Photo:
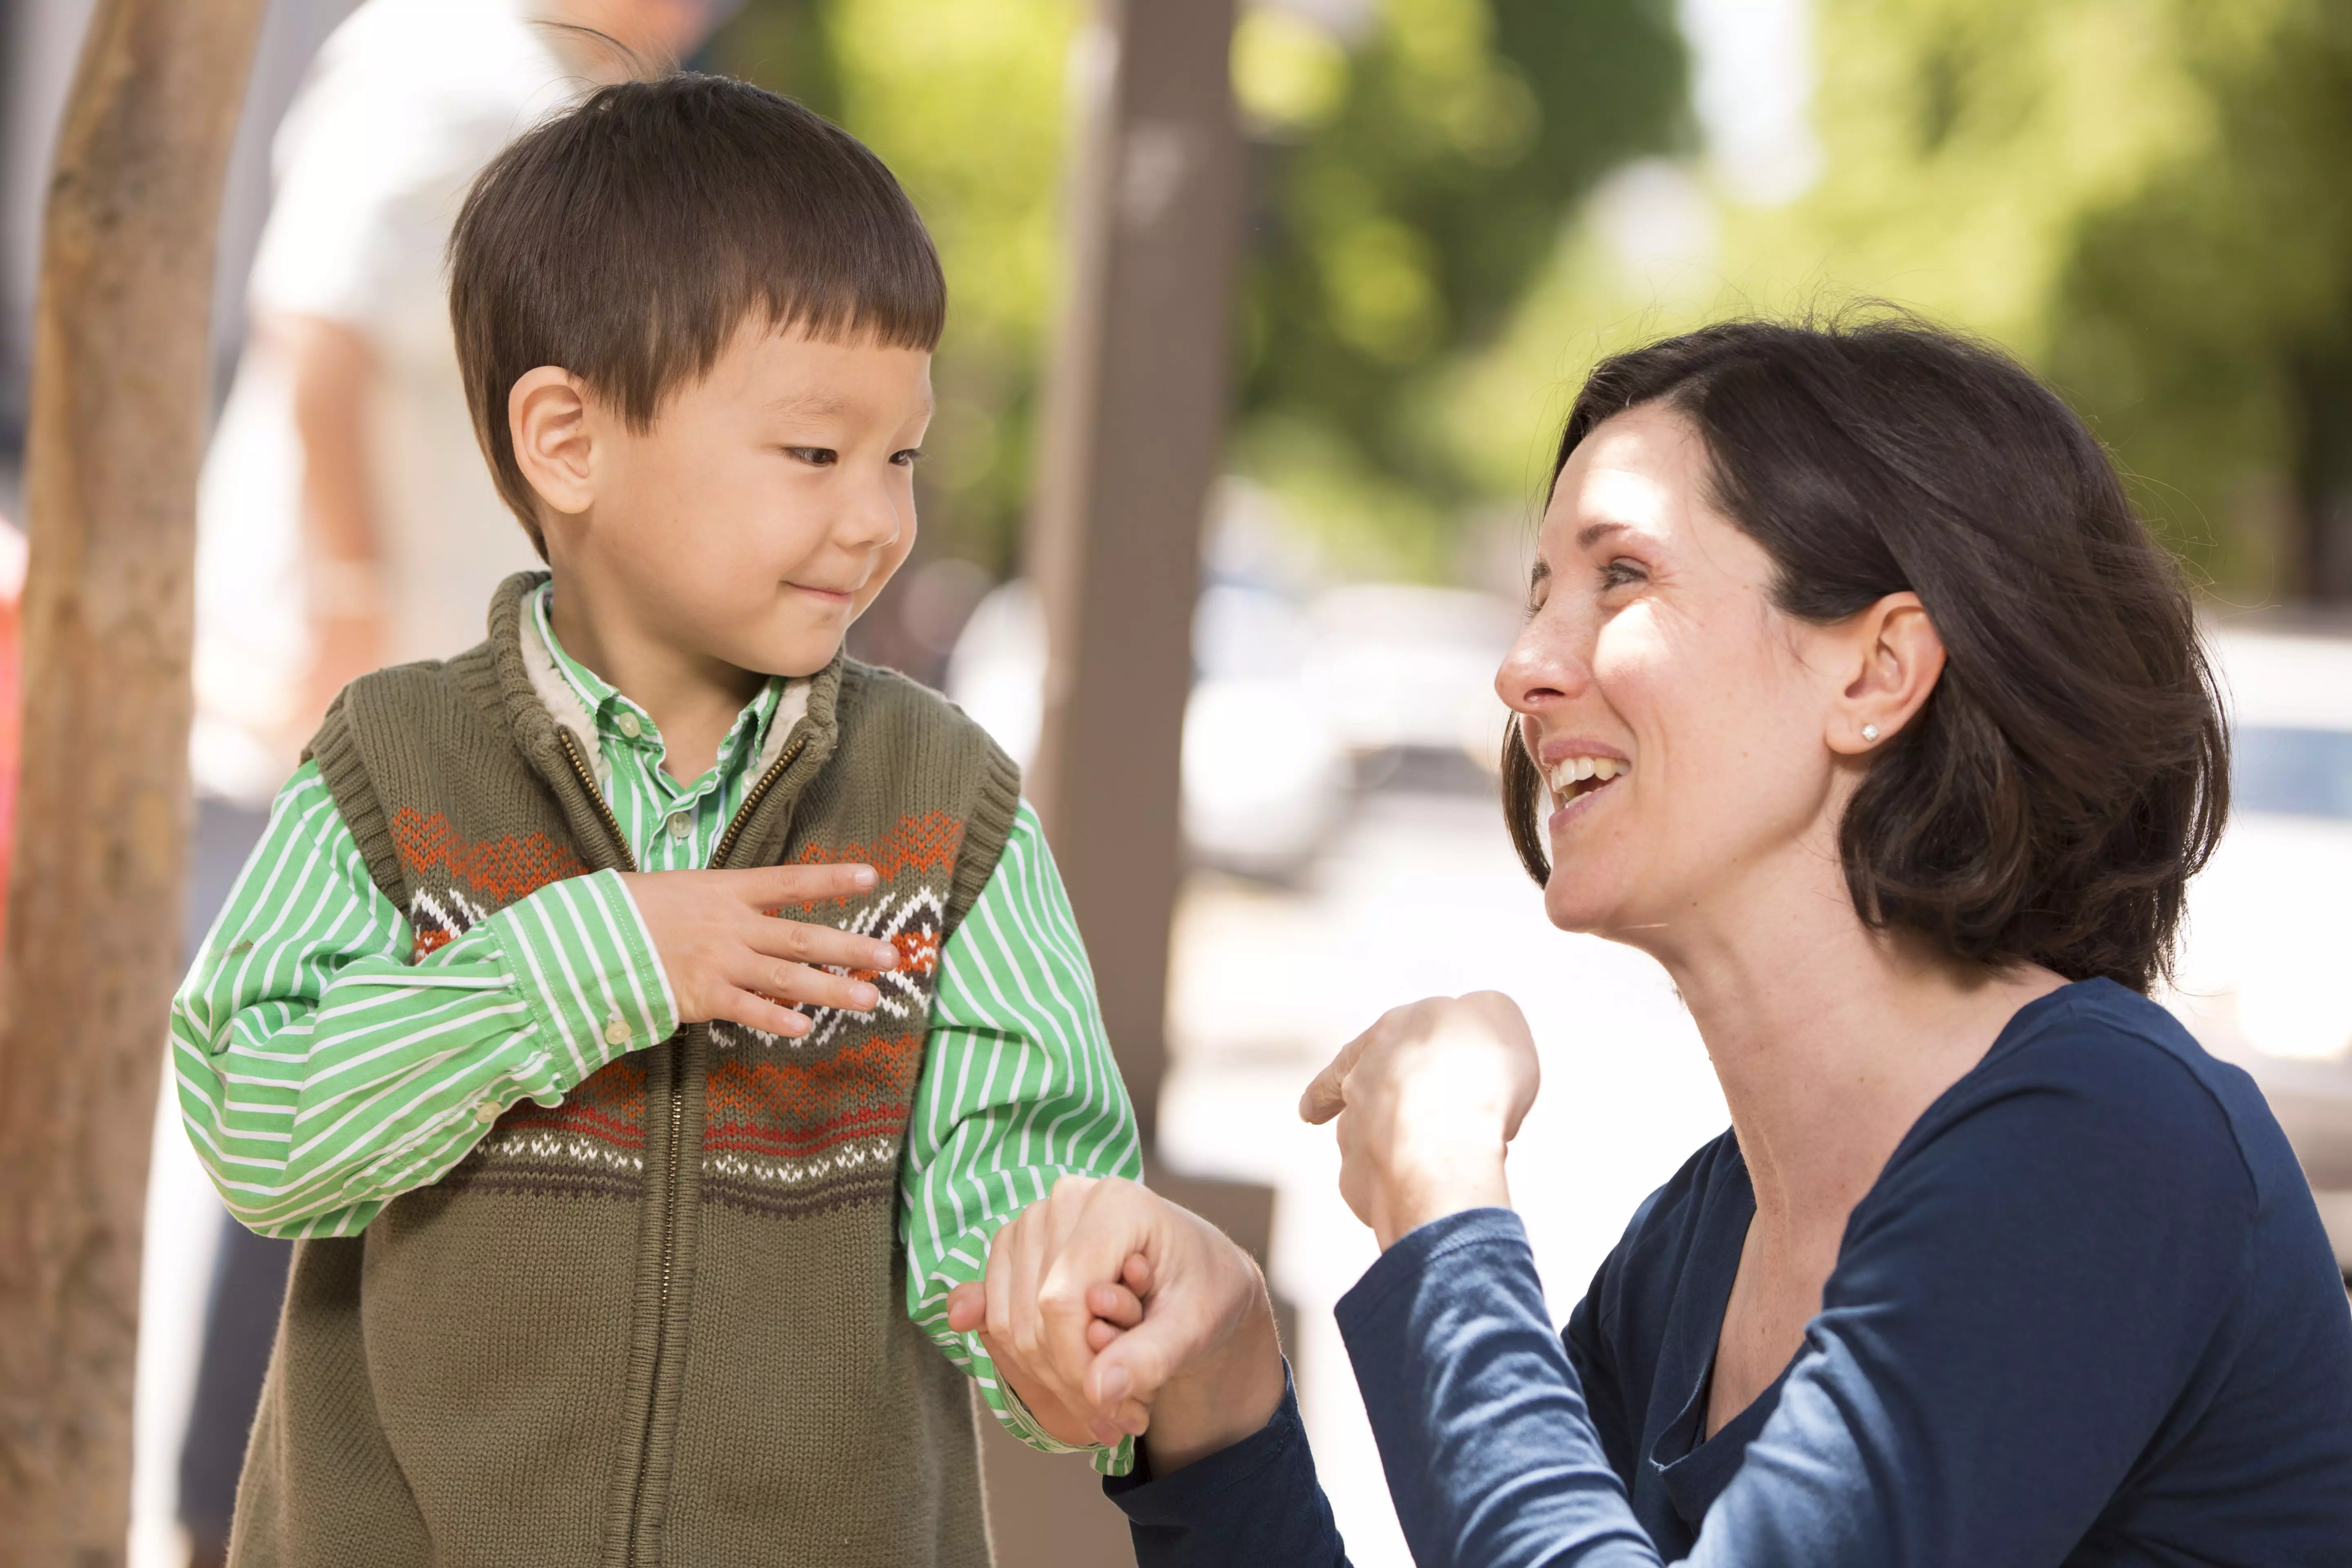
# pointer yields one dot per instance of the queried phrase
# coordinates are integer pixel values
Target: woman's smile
(1577, 771)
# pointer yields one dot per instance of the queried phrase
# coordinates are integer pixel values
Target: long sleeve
(2016, 1311)
(321, 1074)
(1018, 1089)
(1257, 1501)
(2087, 1312)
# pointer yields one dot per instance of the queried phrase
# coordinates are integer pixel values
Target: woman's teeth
(1569, 771)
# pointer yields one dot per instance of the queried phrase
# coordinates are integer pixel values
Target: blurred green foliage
(2205, 318)
(1400, 219)
(2143, 198)
(1408, 183)
(1458, 204)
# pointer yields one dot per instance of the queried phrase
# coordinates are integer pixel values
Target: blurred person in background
(345, 518)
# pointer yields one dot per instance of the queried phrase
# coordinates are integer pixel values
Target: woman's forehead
(1635, 471)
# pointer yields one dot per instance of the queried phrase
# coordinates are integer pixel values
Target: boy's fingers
(805, 944)
(766, 1013)
(782, 887)
(798, 983)
(1115, 1305)
(1101, 1336)
(967, 1307)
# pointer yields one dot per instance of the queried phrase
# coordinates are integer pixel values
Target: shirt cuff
(1004, 1402)
(1214, 1472)
(1413, 1253)
(584, 963)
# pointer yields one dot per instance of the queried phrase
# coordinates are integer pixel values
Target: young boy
(607, 1255)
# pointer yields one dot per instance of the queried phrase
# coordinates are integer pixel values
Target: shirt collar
(621, 722)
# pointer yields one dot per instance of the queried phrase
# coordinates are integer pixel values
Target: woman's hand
(1109, 1303)
(1428, 1100)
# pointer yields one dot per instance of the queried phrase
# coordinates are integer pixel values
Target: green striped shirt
(322, 1074)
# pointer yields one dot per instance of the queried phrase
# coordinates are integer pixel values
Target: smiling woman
(1863, 703)
(2067, 774)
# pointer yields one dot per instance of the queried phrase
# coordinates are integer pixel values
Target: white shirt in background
(405, 103)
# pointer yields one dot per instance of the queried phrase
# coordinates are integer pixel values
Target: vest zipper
(750, 802)
(597, 793)
(677, 1107)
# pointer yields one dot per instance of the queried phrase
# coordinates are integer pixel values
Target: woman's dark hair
(2070, 771)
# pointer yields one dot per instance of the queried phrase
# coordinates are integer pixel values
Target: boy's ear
(546, 419)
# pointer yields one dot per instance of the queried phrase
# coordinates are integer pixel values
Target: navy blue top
(2086, 1315)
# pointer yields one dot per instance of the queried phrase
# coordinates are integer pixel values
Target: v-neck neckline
(1692, 1464)
(1695, 1466)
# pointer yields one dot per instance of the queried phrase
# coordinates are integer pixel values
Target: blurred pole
(1134, 421)
(1135, 412)
(120, 373)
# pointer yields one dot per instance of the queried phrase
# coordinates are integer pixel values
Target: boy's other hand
(727, 958)
(1127, 1311)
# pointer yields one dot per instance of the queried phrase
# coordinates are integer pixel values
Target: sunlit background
(1454, 208)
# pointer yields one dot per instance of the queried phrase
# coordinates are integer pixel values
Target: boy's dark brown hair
(627, 239)
(2070, 771)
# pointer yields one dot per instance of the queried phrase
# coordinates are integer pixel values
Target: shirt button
(485, 1113)
(617, 1033)
(681, 822)
(629, 725)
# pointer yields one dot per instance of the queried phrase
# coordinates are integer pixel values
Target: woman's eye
(815, 457)
(906, 459)
(1619, 572)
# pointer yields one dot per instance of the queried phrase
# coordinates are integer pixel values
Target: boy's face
(767, 506)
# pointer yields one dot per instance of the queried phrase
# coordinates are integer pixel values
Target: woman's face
(1680, 720)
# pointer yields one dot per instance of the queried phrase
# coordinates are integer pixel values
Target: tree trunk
(117, 435)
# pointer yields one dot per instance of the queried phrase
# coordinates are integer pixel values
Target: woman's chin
(1573, 904)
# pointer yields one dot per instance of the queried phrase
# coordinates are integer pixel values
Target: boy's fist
(727, 958)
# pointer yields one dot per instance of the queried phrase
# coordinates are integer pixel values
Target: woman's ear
(1894, 657)
(546, 419)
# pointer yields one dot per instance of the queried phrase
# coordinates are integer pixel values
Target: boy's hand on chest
(727, 957)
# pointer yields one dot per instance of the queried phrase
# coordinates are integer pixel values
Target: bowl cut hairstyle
(2069, 772)
(627, 239)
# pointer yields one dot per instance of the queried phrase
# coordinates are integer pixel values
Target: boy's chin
(793, 652)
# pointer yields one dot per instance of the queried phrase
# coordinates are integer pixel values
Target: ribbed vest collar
(502, 686)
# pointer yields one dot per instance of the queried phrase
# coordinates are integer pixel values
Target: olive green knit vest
(665, 1322)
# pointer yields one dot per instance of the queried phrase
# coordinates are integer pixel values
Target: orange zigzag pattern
(881, 1069)
(925, 843)
(502, 869)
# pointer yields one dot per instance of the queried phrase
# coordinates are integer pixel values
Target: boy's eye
(816, 456)
(906, 459)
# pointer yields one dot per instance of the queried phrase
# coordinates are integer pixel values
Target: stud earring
(1869, 734)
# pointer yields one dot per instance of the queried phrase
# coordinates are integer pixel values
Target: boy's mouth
(830, 596)
(1573, 777)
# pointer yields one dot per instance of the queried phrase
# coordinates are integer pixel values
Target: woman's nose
(1541, 670)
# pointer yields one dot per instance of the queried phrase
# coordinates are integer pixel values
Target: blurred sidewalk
(1418, 894)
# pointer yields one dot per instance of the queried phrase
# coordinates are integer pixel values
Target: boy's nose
(873, 520)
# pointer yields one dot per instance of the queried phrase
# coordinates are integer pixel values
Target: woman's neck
(1830, 1039)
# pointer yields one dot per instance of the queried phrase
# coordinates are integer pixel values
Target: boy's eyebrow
(826, 405)
(817, 404)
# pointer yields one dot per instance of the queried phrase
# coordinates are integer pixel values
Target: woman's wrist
(1416, 1191)
(1222, 1398)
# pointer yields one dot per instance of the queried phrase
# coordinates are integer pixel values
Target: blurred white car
(1264, 773)
(2265, 976)
(1287, 702)
(1407, 669)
